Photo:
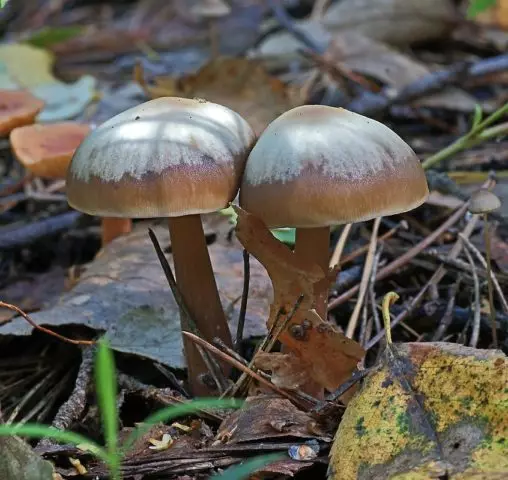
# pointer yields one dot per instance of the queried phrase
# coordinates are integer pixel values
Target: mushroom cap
(17, 108)
(484, 201)
(320, 166)
(46, 150)
(164, 158)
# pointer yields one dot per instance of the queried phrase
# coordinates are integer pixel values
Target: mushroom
(46, 150)
(17, 108)
(176, 158)
(318, 166)
(211, 10)
(483, 202)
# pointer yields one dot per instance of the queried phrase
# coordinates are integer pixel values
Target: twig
(477, 312)
(434, 280)
(266, 346)
(364, 283)
(287, 23)
(447, 317)
(406, 257)
(210, 362)
(373, 104)
(245, 297)
(339, 248)
(34, 231)
(44, 329)
(229, 351)
(359, 251)
(75, 405)
(240, 366)
(483, 262)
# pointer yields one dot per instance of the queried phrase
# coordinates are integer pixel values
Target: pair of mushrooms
(313, 167)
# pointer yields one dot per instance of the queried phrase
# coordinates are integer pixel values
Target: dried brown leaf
(330, 354)
(238, 83)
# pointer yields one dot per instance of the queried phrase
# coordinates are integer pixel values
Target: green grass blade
(174, 411)
(245, 469)
(105, 384)
(476, 7)
(32, 430)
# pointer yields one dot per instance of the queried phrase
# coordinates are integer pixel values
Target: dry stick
(245, 297)
(482, 260)
(239, 365)
(339, 248)
(266, 345)
(477, 313)
(210, 362)
(405, 258)
(44, 329)
(434, 280)
(364, 283)
(447, 318)
(75, 405)
(359, 251)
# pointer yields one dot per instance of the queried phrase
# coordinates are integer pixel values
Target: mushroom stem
(313, 245)
(114, 227)
(489, 280)
(196, 282)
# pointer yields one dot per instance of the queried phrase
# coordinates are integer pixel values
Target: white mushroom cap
(319, 166)
(484, 201)
(166, 157)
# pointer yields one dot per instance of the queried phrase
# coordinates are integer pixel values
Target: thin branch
(477, 309)
(245, 297)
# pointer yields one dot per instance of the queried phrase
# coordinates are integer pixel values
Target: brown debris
(17, 108)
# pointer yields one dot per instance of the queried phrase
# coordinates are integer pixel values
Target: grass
(112, 452)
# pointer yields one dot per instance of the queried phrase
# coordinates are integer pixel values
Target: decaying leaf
(265, 417)
(398, 22)
(432, 410)
(238, 83)
(330, 354)
(124, 292)
(288, 370)
(19, 462)
(366, 56)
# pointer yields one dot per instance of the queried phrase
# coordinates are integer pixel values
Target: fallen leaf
(266, 417)
(361, 54)
(27, 67)
(397, 22)
(19, 462)
(124, 292)
(288, 370)
(330, 354)
(238, 83)
(432, 410)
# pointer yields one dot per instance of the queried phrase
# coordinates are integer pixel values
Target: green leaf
(478, 115)
(245, 469)
(34, 430)
(285, 235)
(476, 7)
(105, 384)
(48, 36)
(174, 411)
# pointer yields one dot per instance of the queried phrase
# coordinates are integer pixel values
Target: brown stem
(313, 244)
(489, 280)
(114, 227)
(196, 282)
